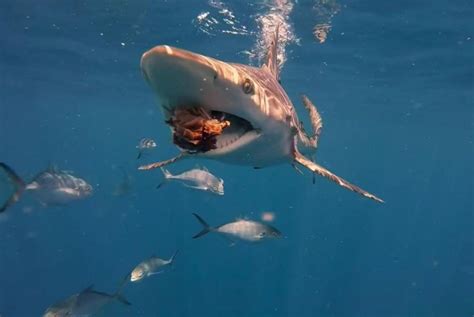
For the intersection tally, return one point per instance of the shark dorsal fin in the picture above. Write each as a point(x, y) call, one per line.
point(272, 55)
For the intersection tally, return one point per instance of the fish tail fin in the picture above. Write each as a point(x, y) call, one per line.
point(318, 169)
point(206, 228)
point(173, 256)
point(19, 186)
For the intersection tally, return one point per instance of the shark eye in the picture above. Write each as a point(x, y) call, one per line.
point(247, 86)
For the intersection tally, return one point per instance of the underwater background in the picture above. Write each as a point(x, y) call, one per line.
point(394, 84)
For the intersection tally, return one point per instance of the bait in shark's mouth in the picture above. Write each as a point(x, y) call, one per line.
point(199, 130)
point(195, 130)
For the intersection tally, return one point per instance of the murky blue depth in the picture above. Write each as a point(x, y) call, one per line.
point(394, 85)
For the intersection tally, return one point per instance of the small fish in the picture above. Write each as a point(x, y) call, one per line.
point(85, 303)
point(50, 187)
point(149, 267)
point(198, 178)
point(144, 146)
point(241, 229)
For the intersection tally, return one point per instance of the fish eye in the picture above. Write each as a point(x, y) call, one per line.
point(247, 86)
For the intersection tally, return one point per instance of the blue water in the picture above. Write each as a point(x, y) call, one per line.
point(394, 84)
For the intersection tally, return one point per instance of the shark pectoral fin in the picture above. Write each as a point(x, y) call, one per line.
point(316, 122)
point(301, 159)
point(162, 163)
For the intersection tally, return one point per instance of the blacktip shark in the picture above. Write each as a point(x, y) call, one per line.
point(261, 126)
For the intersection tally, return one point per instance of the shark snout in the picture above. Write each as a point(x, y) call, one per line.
point(171, 71)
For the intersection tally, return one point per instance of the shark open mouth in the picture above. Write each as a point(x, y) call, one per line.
point(197, 129)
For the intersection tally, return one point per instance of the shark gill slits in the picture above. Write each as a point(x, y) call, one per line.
point(248, 86)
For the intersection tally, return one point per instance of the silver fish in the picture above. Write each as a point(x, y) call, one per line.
point(198, 178)
point(241, 229)
point(151, 266)
point(145, 145)
point(50, 187)
point(86, 303)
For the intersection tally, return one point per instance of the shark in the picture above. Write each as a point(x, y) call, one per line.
point(262, 129)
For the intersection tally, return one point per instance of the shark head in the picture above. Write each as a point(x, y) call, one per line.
point(240, 93)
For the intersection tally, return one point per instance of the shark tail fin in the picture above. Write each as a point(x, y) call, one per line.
point(206, 228)
point(272, 55)
point(19, 186)
point(315, 168)
point(316, 122)
point(139, 155)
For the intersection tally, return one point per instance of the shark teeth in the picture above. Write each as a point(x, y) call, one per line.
point(238, 128)
point(227, 139)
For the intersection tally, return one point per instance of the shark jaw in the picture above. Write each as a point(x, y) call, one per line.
point(183, 79)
